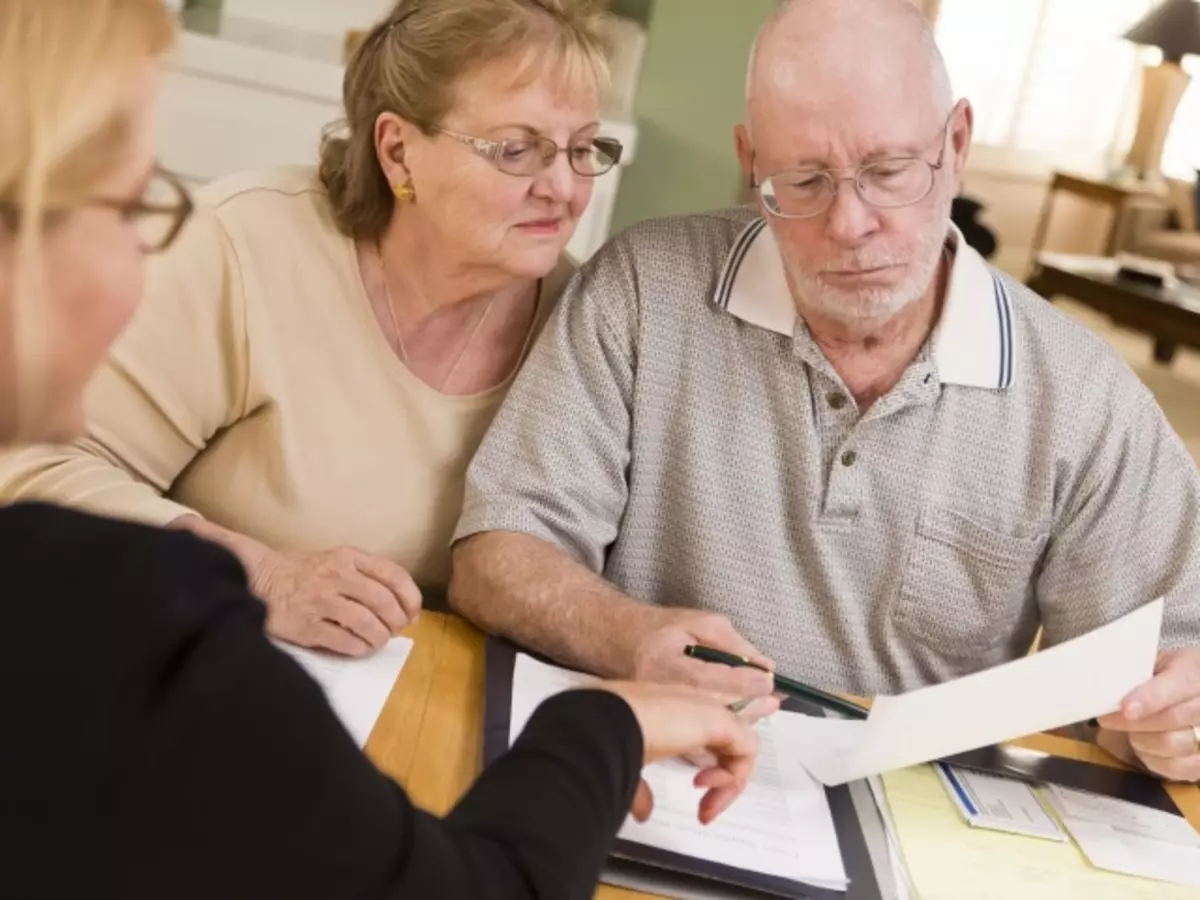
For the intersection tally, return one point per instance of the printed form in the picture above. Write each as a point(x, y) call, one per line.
point(780, 826)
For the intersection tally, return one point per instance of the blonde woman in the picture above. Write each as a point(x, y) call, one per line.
point(322, 351)
point(155, 743)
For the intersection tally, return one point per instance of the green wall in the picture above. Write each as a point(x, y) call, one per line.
point(689, 99)
point(638, 10)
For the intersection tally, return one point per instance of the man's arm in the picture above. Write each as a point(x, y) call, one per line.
point(547, 490)
point(525, 589)
point(1128, 534)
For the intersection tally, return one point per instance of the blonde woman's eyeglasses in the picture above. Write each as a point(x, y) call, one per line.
point(159, 212)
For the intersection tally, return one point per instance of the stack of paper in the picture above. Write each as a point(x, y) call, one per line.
point(1002, 804)
point(780, 826)
point(946, 860)
point(1125, 837)
point(357, 688)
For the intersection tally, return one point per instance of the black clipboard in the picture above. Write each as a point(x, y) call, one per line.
point(500, 658)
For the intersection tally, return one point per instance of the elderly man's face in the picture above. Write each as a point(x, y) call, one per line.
point(856, 262)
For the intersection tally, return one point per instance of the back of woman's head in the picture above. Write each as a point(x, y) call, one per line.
point(67, 72)
point(411, 64)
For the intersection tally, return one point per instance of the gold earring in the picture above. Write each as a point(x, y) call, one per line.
point(405, 193)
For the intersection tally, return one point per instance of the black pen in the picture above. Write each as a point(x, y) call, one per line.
point(782, 682)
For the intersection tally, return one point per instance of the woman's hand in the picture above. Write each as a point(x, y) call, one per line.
point(686, 721)
point(343, 600)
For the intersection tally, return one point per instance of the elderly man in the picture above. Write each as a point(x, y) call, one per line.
point(825, 433)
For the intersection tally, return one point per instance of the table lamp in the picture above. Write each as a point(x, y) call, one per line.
point(1174, 27)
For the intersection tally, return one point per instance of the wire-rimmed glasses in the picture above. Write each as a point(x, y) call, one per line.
point(886, 184)
point(528, 156)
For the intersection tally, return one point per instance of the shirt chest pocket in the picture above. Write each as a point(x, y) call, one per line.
point(965, 585)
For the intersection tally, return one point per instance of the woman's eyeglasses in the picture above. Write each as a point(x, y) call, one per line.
point(529, 156)
point(159, 212)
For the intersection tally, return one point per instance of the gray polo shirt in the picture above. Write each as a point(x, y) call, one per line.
point(677, 429)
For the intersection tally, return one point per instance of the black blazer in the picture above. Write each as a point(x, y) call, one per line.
point(155, 745)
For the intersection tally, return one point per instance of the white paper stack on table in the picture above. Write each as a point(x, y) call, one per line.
point(780, 826)
point(357, 688)
point(1127, 838)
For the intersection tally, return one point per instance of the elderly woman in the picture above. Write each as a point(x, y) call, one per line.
point(321, 353)
point(156, 744)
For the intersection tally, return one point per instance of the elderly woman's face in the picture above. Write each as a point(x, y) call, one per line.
point(517, 223)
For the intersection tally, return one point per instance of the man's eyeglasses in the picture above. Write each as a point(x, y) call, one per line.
point(529, 156)
point(159, 212)
point(886, 184)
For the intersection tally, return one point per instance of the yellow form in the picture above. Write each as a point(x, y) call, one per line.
point(946, 859)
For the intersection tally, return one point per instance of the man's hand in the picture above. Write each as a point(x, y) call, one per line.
point(1159, 722)
point(342, 600)
point(658, 654)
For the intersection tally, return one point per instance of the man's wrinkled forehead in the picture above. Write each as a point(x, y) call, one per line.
point(841, 114)
point(863, 67)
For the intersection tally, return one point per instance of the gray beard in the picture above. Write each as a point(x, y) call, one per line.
point(876, 304)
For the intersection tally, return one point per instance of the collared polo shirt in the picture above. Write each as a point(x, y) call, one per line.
point(677, 430)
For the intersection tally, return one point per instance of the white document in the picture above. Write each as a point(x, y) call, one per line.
point(1128, 838)
point(998, 804)
point(781, 825)
point(356, 688)
point(1073, 682)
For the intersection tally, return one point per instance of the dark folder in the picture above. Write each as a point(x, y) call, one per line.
point(864, 884)
point(1035, 767)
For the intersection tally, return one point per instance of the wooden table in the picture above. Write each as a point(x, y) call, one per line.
point(430, 734)
point(1171, 316)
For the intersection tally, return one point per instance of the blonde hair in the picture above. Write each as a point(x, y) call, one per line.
point(67, 69)
point(411, 63)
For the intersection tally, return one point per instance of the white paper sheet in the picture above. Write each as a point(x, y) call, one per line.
point(1124, 837)
point(357, 688)
point(1073, 682)
point(781, 825)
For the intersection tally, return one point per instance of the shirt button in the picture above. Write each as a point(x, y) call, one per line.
point(836, 400)
point(849, 458)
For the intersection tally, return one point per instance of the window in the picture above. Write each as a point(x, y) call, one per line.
point(1054, 79)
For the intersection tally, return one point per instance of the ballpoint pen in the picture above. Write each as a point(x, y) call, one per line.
point(782, 682)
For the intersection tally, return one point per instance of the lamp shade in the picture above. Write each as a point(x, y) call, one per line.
point(1173, 26)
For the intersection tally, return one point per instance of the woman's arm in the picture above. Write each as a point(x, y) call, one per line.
point(241, 777)
point(175, 378)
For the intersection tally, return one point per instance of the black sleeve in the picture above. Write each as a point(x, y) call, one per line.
point(217, 768)
point(264, 794)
